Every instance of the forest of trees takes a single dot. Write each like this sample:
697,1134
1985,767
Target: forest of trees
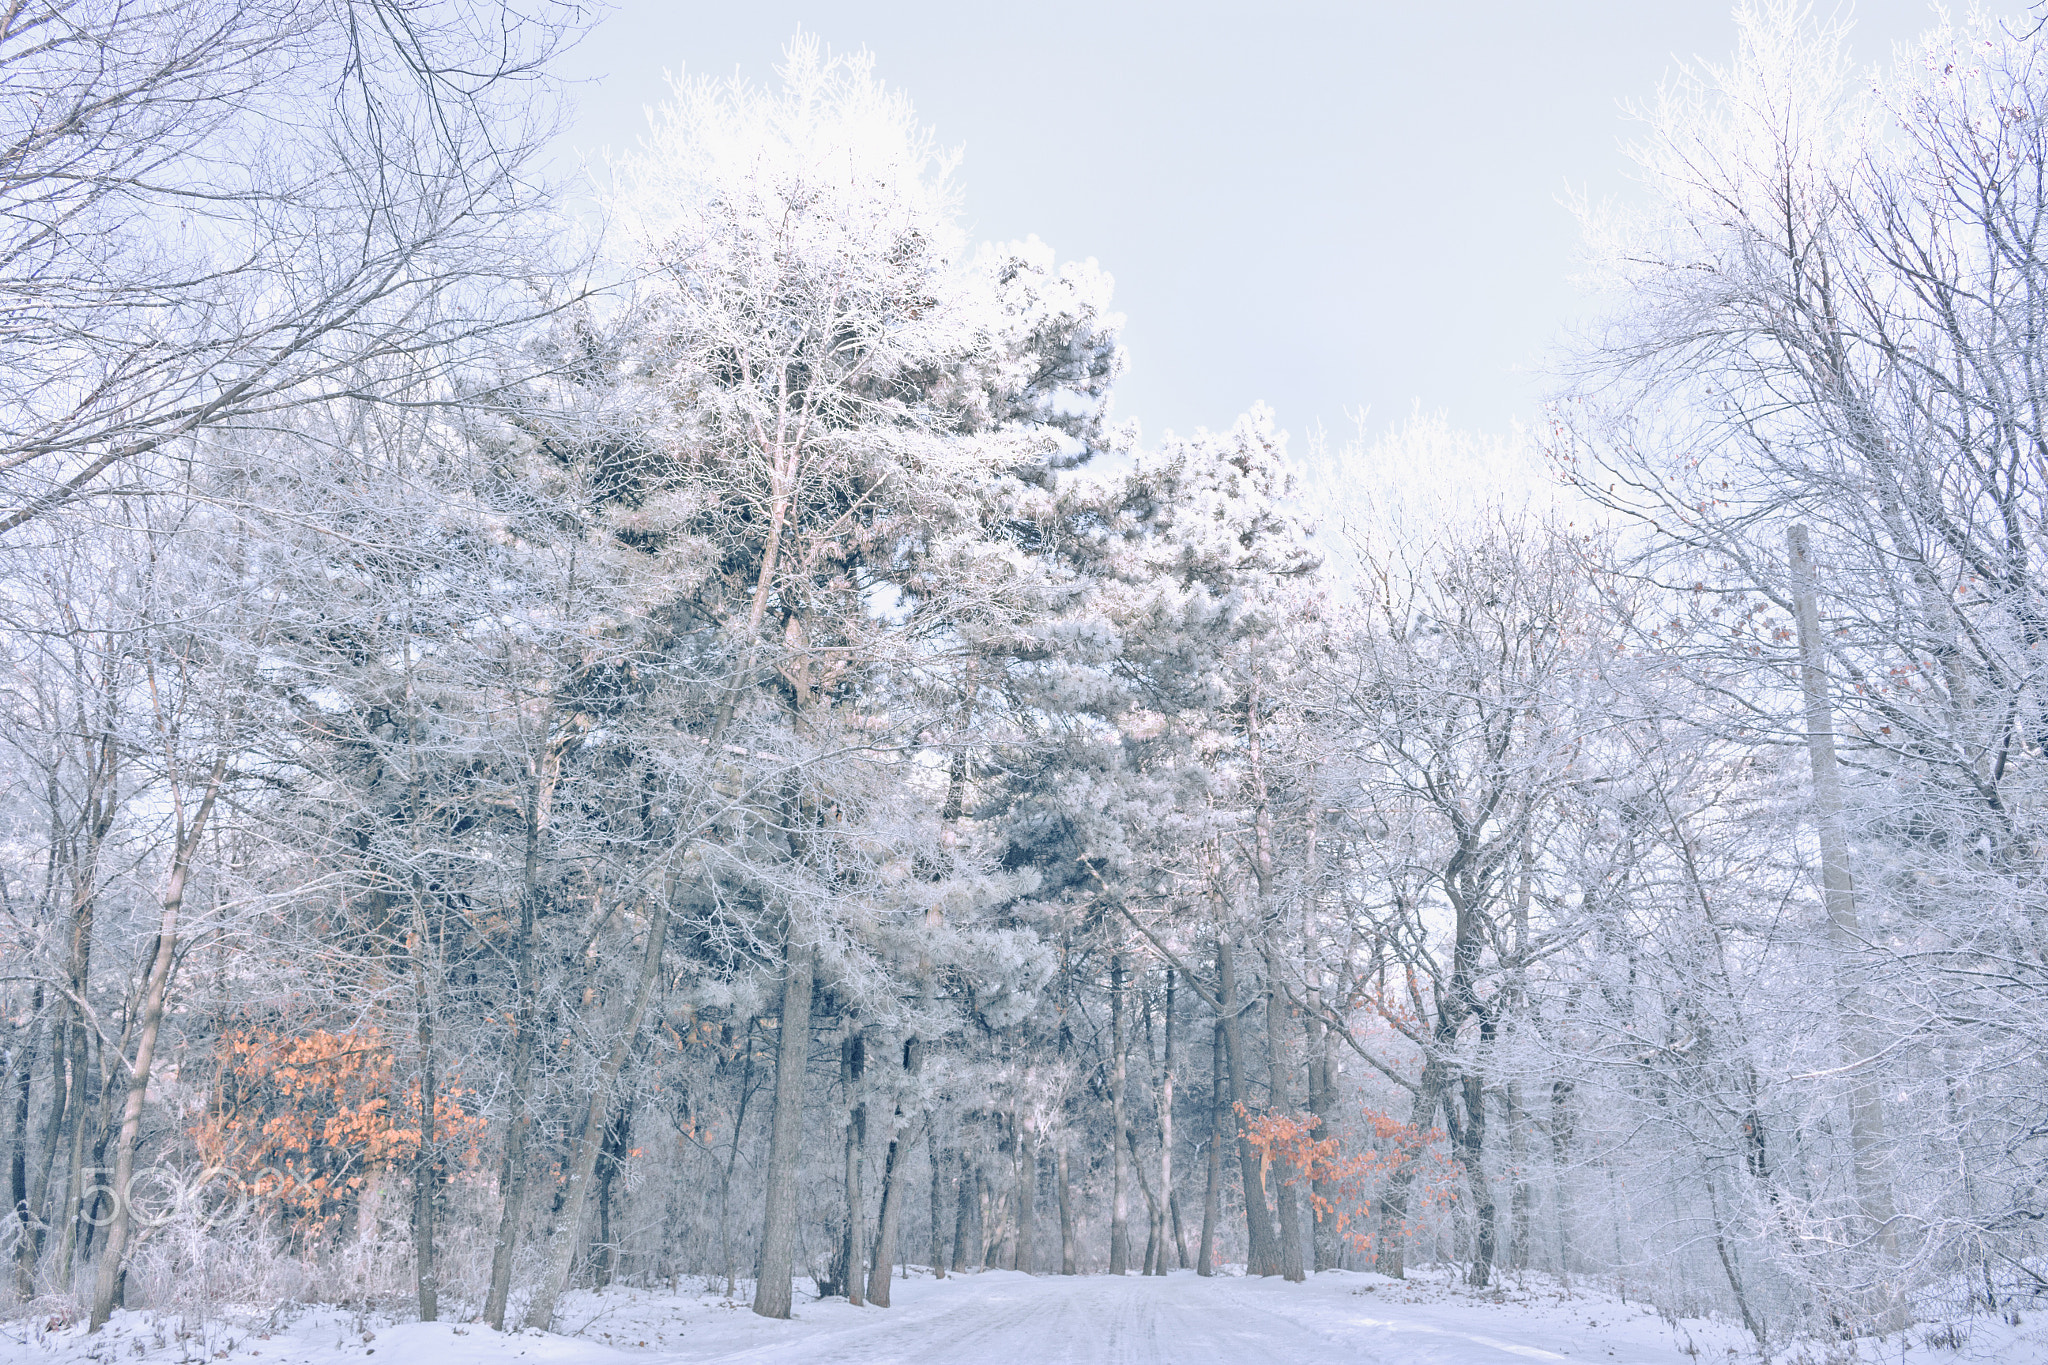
535,758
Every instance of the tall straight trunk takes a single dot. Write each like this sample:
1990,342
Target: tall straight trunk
426,1176
1155,1214
963,1216
1560,1127
1070,1260
98,810
894,1196
583,1160
1261,1252
512,1173
732,1161
1168,1196
785,1133
1119,1219
1027,1198
74,1179
1845,932
17,1159
1279,1065
853,1234
55,1123
886,1221
1518,1190
611,1159
1472,1153
931,1156
1001,1230
1212,1195
1322,1103
155,985
992,1221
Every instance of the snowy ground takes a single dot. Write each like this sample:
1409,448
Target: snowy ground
999,1317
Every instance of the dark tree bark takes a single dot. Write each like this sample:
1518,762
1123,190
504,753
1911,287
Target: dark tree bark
772,1287
1212,1195
964,1254
611,1159
1169,1194
426,1177
1119,1218
17,1160
853,1234
519,1124
1279,1066
1262,1252
1069,1250
931,1156
732,1161
1027,1197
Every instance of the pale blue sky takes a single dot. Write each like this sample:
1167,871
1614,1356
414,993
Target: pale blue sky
1325,206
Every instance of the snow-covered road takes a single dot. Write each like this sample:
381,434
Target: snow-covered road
988,1318
1185,1320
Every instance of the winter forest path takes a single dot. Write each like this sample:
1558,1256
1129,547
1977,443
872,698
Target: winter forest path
999,1318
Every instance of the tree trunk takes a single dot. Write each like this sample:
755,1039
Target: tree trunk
426,1174
772,1287
1168,1196
17,1160
885,1222
853,1235
583,1162
611,1159
1212,1196
74,1179
1472,1152
1027,1198
512,1173
1845,932
1155,1215
113,1258
931,1155
990,1220
1322,1103
963,1216
1279,1064
1119,1224
1262,1255
1560,1127
995,1221
732,1161
1518,1190
54,1124
1391,1254
1069,1251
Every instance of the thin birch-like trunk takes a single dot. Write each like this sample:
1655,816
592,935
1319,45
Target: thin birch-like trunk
931,1156
113,1256
1212,1195
1119,1222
